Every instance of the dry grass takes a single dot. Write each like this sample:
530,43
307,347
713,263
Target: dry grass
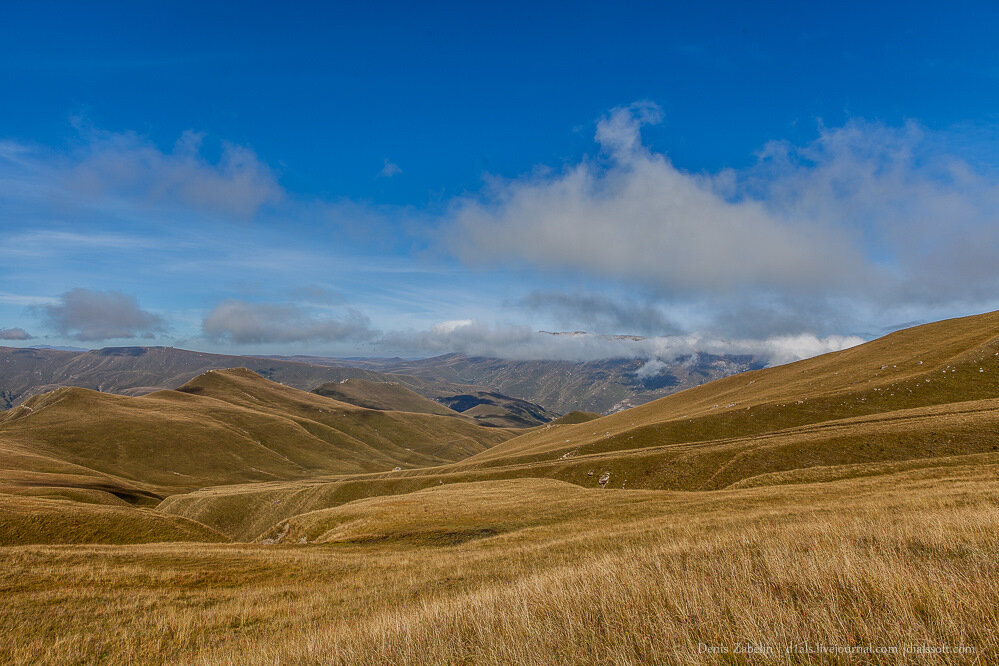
64,520
573,418
565,575
863,446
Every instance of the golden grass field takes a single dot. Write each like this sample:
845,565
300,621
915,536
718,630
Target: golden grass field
530,571
791,515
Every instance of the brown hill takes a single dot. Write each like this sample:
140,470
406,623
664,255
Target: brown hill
227,426
35,520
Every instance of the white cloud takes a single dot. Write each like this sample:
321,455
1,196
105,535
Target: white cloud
640,218
240,322
15,334
89,315
864,214
449,327
652,368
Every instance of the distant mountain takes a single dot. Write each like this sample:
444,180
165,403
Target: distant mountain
139,370
561,386
558,386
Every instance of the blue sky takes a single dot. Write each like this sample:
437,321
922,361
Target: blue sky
388,179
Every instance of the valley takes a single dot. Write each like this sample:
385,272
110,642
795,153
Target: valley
847,499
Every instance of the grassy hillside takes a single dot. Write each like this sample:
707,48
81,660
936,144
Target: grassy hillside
228,426
945,362
248,512
847,500
77,519
382,395
535,572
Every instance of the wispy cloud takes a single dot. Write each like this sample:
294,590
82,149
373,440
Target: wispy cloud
24,299
524,343
49,241
115,171
599,313
390,169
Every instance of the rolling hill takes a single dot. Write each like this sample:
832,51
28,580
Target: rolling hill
227,426
36,520
919,398
540,572
483,407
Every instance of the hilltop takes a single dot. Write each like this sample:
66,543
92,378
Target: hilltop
390,396
497,410
483,407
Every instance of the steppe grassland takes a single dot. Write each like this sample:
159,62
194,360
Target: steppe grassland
589,576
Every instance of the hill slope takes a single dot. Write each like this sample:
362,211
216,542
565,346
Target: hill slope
229,426
944,362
